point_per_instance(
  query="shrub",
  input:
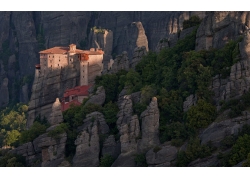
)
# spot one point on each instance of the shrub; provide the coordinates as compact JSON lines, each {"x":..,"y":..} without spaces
{"x":239,"y":150}
{"x":140,"y":160}
{"x":35,"y":130}
{"x":12,"y":160}
{"x":55,"y":133}
{"x":192,"y":21}
{"x":201,"y":115}
{"x":106,"y":161}
{"x":194,"y":150}
{"x":156,"y":149}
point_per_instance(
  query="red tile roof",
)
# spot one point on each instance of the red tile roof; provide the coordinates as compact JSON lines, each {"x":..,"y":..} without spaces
{"x":77,"y":91}
{"x":65,"y":106}
{"x":64,"y":50}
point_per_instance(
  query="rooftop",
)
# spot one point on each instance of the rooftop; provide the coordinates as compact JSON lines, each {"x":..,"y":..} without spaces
{"x":65,"y":50}
{"x":77,"y":91}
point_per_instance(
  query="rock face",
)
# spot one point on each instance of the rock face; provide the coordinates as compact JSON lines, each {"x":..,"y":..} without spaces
{"x":111,"y":147}
{"x":190,"y":101}
{"x":238,"y":82}
{"x":53,"y":150}
{"x":4,"y":95}
{"x":88,"y":142}
{"x":218,"y":130}
{"x":150,"y":126}
{"x":32,"y":155}
{"x":97,"y":98}
{"x":139,"y":52}
{"x":218,"y":27}
{"x":132,"y":36}
{"x":128,"y":125}
{"x":120,"y":62}
{"x":211,"y":161}
{"x":161,"y":156}
{"x":49,"y":86}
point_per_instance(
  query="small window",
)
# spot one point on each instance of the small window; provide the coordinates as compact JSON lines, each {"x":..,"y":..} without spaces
{"x":49,"y":56}
{"x":59,"y":60}
{"x":53,"y":56}
{"x":51,"y":65}
{"x":58,"y":64}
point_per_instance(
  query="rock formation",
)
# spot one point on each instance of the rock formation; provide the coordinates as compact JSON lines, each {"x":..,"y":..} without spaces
{"x":97,"y":98}
{"x":150,"y":126}
{"x":217,"y":131}
{"x":161,"y":156}
{"x":46,"y":88}
{"x":88,"y":141}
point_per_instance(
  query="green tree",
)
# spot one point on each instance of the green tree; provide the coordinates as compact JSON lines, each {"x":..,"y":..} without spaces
{"x":201,"y":115}
{"x":106,"y":161}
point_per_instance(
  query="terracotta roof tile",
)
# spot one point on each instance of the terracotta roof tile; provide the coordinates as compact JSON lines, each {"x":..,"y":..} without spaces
{"x":78,"y":91}
{"x":64,"y":50}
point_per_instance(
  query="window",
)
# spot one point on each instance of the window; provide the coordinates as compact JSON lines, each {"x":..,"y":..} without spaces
{"x":58,"y":64}
{"x":59,"y":60}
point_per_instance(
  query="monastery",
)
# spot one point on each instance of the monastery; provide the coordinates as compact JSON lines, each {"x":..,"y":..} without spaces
{"x":59,"y":57}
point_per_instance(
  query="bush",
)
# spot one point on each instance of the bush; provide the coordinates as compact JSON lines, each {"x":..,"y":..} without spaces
{"x":192,"y":21}
{"x":12,"y":160}
{"x":140,"y":160}
{"x":201,"y":115}
{"x":194,"y":151}
{"x":106,"y":161}
{"x":156,"y":149}
{"x":58,"y":130}
{"x":239,"y":150}
{"x":35,"y":130}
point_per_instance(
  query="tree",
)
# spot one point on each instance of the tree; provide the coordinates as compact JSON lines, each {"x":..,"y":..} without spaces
{"x":201,"y":115}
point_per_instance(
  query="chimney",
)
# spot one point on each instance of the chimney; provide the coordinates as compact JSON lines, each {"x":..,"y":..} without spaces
{"x":72,"y":47}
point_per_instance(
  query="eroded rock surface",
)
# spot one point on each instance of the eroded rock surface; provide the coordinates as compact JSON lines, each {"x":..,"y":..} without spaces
{"x":88,"y":142}
{"x":161,"y":155}
{"x":98,"y":98}
{"x":150,"y":126}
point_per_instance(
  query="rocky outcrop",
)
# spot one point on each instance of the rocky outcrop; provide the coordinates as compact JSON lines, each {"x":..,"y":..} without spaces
{"x":56,"y":114}
{"x":238,"y":83}
{"x":150,"y":126}
{"x":111,"y":147}
{"x":53,"y":150}
{"x":218,"y":28}
{"x":211,"y":161}
{"x":139,"y":52}
{"x":128,"y":126}
{"x":32,"y":155}
{"x":161,"y":156}
{"x":98,"y":98}
{"x":88,"y":142}
{"x":120,"y":62}
{"x":101,"y":38}
{"x":190,"y":101}
{"x":217,"y":131}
